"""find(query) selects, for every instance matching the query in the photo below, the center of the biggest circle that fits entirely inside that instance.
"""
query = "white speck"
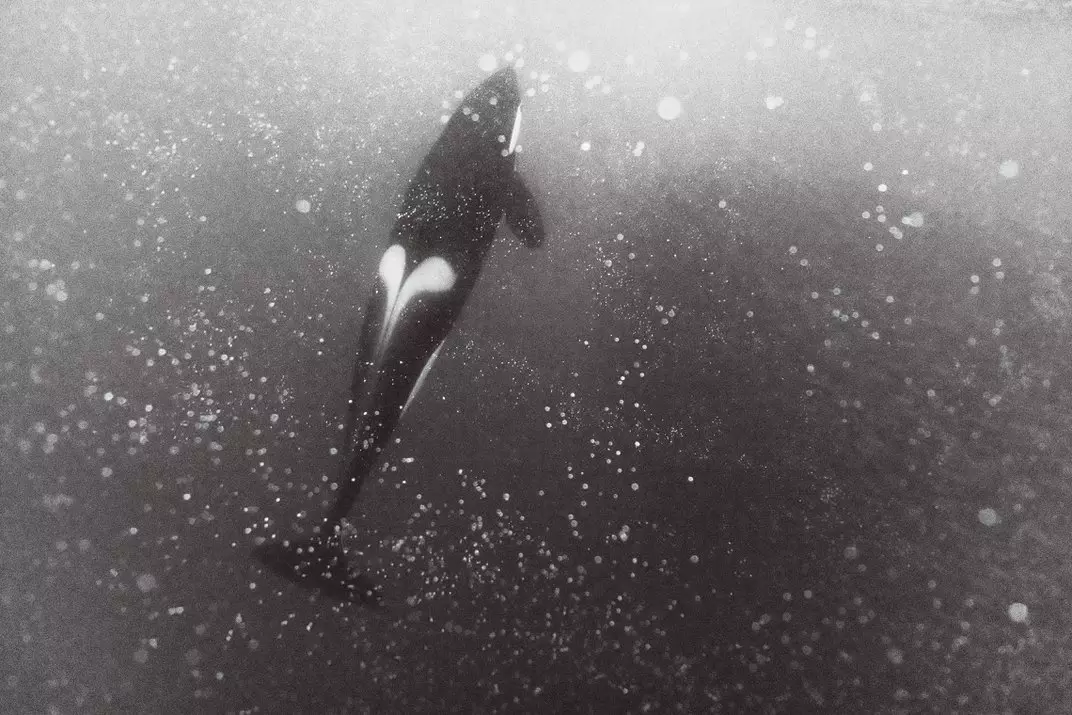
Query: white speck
(669, 108)
(1010, 169)
(302, 205)
(106, 472)
(579, 60)
(868, 166)
(774, 102)
(694, 559)
(146, 582)
(996, 263)
(882, 187)
(585, 146)
(487, 62)
(635, 486)
(974, 278)
(914, 219)
(988, 517)
(638, 149)
(141, 656)
(1018, 612)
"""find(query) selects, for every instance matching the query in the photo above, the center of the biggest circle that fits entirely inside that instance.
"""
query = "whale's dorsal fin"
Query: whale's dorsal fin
(523, 214)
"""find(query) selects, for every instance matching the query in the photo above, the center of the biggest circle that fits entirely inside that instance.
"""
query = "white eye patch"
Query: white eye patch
(516, 133)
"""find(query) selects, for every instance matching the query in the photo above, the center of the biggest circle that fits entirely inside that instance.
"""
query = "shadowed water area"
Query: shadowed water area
(775, 421)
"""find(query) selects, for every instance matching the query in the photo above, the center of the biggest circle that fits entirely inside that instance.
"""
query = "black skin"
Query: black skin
(452, 209)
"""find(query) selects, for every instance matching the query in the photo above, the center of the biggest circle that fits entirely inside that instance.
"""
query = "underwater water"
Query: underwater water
(775, 421)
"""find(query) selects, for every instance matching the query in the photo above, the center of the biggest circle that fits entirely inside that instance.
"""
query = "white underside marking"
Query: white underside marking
(420, 378)
(516, 133)
(432, 275)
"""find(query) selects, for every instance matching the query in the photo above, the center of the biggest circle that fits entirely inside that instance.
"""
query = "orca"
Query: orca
(463, 190)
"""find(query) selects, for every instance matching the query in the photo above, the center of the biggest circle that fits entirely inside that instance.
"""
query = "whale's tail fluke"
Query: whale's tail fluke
(319, 563)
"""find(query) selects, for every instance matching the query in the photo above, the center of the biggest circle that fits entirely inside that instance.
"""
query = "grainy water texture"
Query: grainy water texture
(777, 421)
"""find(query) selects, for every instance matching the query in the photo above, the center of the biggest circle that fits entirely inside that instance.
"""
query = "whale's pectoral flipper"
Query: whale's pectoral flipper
(523, 214)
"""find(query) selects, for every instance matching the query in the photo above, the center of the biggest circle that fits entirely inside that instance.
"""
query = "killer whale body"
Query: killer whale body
(465, 187)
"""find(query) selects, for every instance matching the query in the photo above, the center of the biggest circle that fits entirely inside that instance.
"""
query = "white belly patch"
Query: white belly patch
(432, 275)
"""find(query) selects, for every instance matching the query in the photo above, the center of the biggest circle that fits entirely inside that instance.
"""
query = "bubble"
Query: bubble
(579, 60)
(303, 206)
(988, 517)
(146, 582)
(1010, 168)
(914, 219)
(669, 108)
(487, 62)
(1018, 612)
(774, 102)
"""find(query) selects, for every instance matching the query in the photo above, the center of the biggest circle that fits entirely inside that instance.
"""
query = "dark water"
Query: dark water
(712, 450)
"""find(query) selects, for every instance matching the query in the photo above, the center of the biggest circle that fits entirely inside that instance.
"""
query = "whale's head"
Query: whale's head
(483, 132)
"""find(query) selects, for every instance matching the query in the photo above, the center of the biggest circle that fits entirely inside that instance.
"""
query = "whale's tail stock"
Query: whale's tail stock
(319, 563)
